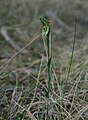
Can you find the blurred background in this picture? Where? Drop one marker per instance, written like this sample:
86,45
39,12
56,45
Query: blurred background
19,19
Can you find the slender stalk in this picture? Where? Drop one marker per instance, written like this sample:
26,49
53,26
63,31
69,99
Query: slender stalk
49,65
49,57
71,60
46,32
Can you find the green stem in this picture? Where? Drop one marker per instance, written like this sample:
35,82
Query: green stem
73,48
49,70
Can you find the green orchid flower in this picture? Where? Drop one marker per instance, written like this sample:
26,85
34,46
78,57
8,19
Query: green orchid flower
46,25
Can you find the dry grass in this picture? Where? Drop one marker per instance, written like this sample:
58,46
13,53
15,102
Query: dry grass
23,91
